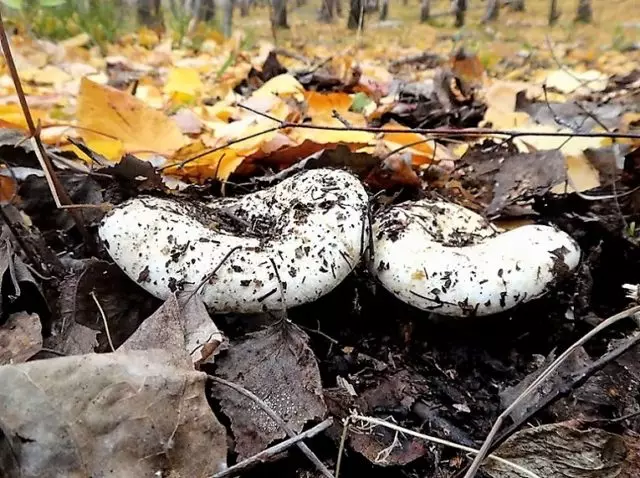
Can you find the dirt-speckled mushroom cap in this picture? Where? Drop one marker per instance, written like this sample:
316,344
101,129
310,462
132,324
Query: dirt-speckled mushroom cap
444,258
312,227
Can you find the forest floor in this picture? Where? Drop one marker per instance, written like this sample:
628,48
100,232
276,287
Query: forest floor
517,121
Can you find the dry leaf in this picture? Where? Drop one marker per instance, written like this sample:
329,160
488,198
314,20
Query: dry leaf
183,327
117,414
122,116
20,338
279,367
566,449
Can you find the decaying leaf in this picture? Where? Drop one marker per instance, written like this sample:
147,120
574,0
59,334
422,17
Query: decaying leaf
19,292
118,414
20,338
279,367
124,304
566,449
183,326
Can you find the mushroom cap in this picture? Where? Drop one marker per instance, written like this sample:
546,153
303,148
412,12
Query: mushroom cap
279,247
444,258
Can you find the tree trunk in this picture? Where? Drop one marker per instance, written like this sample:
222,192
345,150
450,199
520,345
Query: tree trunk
517,5
493,11
326,11
227,17
554,14
584,13
460,8
356,14
384,10
279,19
425,10
244,7
338,7
149,13
207,10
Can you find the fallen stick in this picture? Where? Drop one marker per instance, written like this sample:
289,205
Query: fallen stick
276,418
270,453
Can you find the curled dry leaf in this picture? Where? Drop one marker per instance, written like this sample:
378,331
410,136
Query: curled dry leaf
279,367
118,414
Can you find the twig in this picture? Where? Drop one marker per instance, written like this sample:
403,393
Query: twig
438,132
104,320
471,472
276,418
213,272
57,189
439,441
575,380
270,453
283,292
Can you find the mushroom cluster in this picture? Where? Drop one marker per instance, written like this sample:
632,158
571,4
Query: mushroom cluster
294,242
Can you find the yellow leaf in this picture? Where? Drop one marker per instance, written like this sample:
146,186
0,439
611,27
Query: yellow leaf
284,85
582,174
340,135
49,75
126,118
423,150
257,130
567,81
109,148
12,113
185,81
219,164
325,103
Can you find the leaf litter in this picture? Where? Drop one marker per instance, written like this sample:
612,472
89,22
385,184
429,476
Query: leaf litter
195,124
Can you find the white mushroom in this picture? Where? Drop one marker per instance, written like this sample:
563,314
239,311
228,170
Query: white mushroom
444,258
295,241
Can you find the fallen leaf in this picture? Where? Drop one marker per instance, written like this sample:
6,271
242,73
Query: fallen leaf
219,164
569,81
182,327
125,118
124,414
20,338
284,86
278,366
124,304
423,150
565,449
185,81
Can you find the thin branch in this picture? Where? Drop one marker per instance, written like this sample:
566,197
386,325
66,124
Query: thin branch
576,380
471,472
271,453
276,418
104,320
56,187
437,132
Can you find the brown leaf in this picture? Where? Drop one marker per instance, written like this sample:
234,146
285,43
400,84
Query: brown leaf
20,338
121,414
564,449
179,327
279,367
